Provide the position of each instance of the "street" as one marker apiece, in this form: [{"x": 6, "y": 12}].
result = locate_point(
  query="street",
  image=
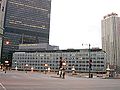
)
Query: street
[{"x": 19, "y": 80}]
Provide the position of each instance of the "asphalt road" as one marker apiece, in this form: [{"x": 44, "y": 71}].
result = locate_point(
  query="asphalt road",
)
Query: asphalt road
[{"x": 16, "y": 80}]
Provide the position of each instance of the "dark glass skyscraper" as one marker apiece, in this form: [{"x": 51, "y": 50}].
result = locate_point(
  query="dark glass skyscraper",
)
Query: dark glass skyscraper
[{"x": 25, "y": 22}]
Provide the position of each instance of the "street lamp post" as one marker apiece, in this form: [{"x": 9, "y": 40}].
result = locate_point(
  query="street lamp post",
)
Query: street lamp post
[
  {"x": 2, "y": 66},
  {"x": 16, "y": 66},
  {"x": 32, "y": 69},
  {"x": 46, "y": 68},
  {"x": 73, "y": 70},
  {"x": 108, "y": 71},
  {"x": 26, "y": 67},
  {"x": 49, "y": 69},
  {"x": 90, "y": 61},
  {"x": 6, "y": 64}
]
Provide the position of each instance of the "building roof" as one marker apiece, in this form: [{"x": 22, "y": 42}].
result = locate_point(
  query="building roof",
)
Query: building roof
[{"x": 67, "y": 50}]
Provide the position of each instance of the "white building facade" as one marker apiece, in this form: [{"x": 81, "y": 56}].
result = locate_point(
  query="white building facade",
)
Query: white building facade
[
  {"x": 111, "y": 39},
  {"x": 77, "y": 58}
]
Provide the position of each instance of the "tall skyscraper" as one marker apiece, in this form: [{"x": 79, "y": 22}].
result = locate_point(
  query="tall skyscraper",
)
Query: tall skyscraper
[
  {"x": 111, "y": 39},
  {"x": 1, "y": 30},
  {"x": 25, "y": 22}
]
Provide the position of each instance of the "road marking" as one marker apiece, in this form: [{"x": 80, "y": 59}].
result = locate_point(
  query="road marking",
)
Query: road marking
[{"x": 3, "y": 86}]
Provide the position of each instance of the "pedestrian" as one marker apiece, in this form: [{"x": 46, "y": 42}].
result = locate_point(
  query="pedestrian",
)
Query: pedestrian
[
  {"x": 63, "y": 68},
  {"x": 60, "y": 67}
]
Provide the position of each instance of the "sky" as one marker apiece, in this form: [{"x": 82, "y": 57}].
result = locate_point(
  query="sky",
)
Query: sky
[{"x": 77, "y": 22}]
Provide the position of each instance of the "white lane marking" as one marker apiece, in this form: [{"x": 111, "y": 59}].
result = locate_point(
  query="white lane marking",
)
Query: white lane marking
[{"x": 3, "y": 86}]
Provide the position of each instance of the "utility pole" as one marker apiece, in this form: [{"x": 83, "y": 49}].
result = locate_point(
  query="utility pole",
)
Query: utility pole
[{"x": 90, "y": 63}]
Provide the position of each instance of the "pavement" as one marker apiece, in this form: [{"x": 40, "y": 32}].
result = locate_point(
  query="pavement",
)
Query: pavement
[{"x": 19, "y": 80}]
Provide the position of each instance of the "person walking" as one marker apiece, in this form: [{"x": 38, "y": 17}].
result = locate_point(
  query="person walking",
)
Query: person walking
[
  {"x": 62, "y": 64},
  {"x": 60, "y": 67},
  {"x": 63, "y": 68}
]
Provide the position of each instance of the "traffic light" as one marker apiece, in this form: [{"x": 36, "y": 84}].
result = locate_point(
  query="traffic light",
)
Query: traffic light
[{"x": 90, "y": 63}]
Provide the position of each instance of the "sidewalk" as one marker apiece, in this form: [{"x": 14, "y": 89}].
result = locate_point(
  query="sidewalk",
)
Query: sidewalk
[{"x": 51, "y": 75}]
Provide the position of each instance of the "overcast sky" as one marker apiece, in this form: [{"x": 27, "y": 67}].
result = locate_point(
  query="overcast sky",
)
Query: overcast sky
[{"x": 77, "y": 22}]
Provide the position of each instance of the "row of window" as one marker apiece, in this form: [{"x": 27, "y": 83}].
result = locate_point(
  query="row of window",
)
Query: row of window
[
  {"x": 52, "y": 64},
  {"x": 55, "y": 55},
  {"x": 47, "y": 58},
  {"x": 30, "y": 4},
  {"x": 58, "y": 61},
  {"x": 28, "y": 32},
  {"x": 53, "y": 68}
]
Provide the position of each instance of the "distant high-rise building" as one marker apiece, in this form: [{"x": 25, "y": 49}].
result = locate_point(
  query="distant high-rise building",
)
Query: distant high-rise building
[
  {"x": 1, "y": 31},
  {"x": 111, "y": 39},
  {"x": 25, "y": 22},
  {"x": 0, "y": 3}
]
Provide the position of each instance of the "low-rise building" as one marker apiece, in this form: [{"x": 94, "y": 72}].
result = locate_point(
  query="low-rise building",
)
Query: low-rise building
[{"x": 79, "y": 58}]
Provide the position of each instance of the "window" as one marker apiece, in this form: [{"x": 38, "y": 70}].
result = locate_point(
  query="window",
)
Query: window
[
  {"x": 102, "y": 65},
  {"x": 98, "y": 61},
  {"x": 102, "y": 62}
]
